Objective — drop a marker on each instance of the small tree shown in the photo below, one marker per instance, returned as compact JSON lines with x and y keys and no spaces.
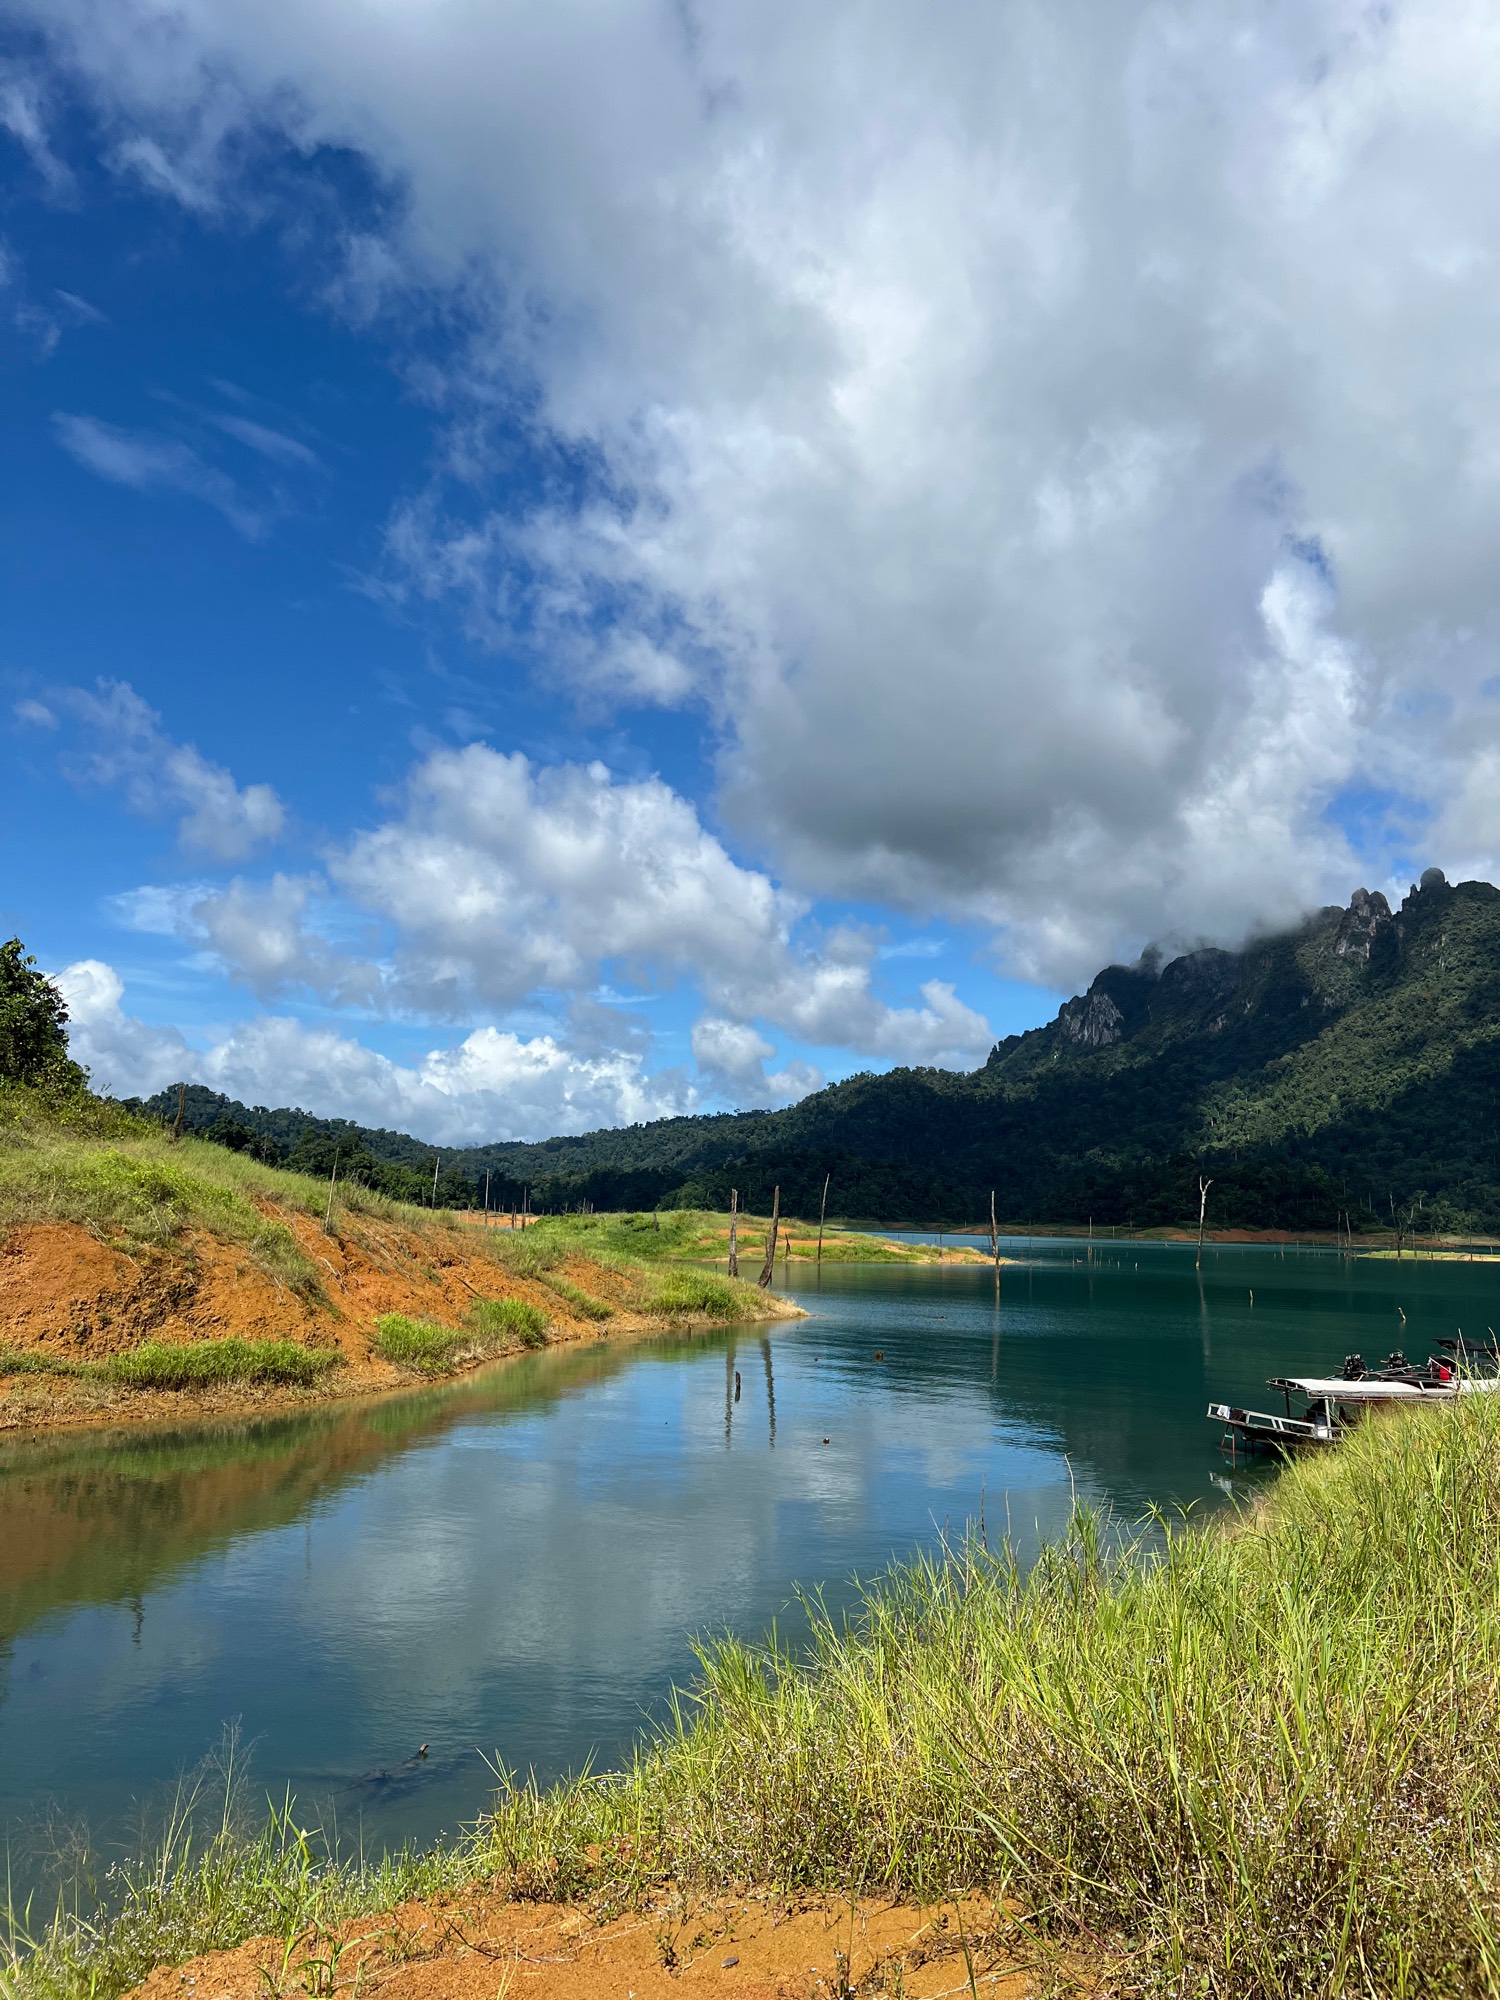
{"x":33,"y":1025}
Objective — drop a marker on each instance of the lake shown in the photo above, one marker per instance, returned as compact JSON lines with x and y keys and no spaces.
{"x":513,"y":1566}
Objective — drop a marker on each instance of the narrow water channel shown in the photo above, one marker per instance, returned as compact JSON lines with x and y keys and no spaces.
{"x":514,"y":1566}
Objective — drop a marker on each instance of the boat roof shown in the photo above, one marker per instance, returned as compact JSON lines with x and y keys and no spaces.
{"x":1335,"y":1389}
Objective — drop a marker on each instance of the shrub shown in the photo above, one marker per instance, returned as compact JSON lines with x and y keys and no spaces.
{"x":33,"y":1025}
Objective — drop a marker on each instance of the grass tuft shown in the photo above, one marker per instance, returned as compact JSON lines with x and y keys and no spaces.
{"x":199,"y":1364}
{"x":159,"y":1364}
{"x":429,"y":1349}
{"x":584,"y":1304}
{"x":420,"y":1344}
{"x":499,"y":1321}
{"x":698,"y":1294}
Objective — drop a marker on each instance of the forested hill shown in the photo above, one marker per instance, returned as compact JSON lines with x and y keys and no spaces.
{"x":1349,"y":1065}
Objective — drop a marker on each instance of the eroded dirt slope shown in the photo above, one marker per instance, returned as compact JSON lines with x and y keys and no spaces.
{"x":67,"y":1297}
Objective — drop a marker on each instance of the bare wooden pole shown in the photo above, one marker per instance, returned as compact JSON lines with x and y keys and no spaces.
{"x":1203,"y":1188}
{"x":486,"y":1199}
{"x":181,"y":1112}
{"x":768,"y":1269}
{"x":436,"y":1163}
{"x":994,"y":1234}
{"x":734,"y":1232}
{"x":823,"y":1214}
{"x":333,"y":1176}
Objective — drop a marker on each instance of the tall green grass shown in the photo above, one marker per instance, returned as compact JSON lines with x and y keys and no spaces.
{"x":1255,"y":1760}
{"x":430,"y":1349}
{"x":161,"y":1364}
{"x":504,"y":1320}
{"x":698,"y":1294}
{"x":584,"y":1304}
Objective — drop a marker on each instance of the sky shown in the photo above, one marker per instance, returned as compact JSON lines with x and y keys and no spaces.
{"x":562,"y":565}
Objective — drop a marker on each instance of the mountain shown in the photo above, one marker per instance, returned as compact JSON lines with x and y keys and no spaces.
{"x":1350,"y":1065}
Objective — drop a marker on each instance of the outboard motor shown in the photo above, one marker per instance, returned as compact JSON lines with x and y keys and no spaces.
{"x":1354,"y":1367}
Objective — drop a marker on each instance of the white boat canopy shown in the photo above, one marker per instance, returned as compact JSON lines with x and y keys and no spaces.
{"x":1334,"y":1389}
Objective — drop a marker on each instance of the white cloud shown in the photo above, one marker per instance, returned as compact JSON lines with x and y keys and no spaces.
{"x":124,"y":1057}
{"x":503,"y":880}
{"x":499,"y":883}
{"x":732,"y":1057}
{"x":969,"y":394}
{"x":150,"y":463}
{"x":23,"y":114}
{"x":269,"y":443}
{"x":492,"y":1085}
{"x":218,"y":818}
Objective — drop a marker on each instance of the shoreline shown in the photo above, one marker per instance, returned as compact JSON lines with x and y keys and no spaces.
{"x":73,"y":1304}
{"x":1056,"y":1760}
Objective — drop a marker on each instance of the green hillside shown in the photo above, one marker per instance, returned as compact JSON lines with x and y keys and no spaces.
{"x":1350,"y":1065}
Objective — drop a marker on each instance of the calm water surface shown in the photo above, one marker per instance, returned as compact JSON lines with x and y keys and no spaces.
{"x":515,"y":1565}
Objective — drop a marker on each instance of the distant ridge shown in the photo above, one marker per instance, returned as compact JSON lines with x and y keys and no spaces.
{"x":1349,"y":1065}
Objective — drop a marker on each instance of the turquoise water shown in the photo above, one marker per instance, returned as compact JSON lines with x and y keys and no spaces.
{"x":514,"y":1566}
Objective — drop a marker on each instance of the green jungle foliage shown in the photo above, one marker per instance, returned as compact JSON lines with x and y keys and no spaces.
{"x":1347,"y":1067}
{"x":33,"y":1026}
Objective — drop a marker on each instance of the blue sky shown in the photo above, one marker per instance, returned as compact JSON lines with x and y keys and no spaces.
{"x":557,"y":570}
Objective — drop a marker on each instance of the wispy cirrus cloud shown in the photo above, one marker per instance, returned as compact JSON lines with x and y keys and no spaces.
{"x":24,"y":115}
{"x":149,"y":462}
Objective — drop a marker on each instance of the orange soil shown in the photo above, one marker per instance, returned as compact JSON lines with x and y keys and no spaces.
{"x":480,"y":1947}
{"x":67,"y":1295}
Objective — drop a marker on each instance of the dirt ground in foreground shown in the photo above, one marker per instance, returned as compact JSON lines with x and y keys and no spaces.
{"x":745,"y":1948}
{"x":67,"y":1296}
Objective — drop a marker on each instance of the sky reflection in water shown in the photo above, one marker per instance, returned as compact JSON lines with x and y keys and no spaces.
{"x":516,"y":1565}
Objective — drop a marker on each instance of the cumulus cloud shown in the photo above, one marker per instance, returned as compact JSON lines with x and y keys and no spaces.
{"x":491,"y":1085}
{"x":499,"y":883}
{"x":504,"y":879}
{"x":124,"y":1056}
{"x":967,"y":396}
{"x":219,"y":819}
{"x":732,"y":1057}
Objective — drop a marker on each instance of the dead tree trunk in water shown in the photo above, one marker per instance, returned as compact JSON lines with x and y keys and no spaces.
{"x":768,"y":1269}
{"x":734,"y":1232}
{"x":822,"y":1217}
{"x":994,"y":1234}
{"x":1203,"y":1188}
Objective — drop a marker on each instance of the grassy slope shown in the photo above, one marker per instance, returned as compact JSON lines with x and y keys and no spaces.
{"x":122,"y":1180}
{"x":1262,"y":1762}
{"x":689,"y":1233}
